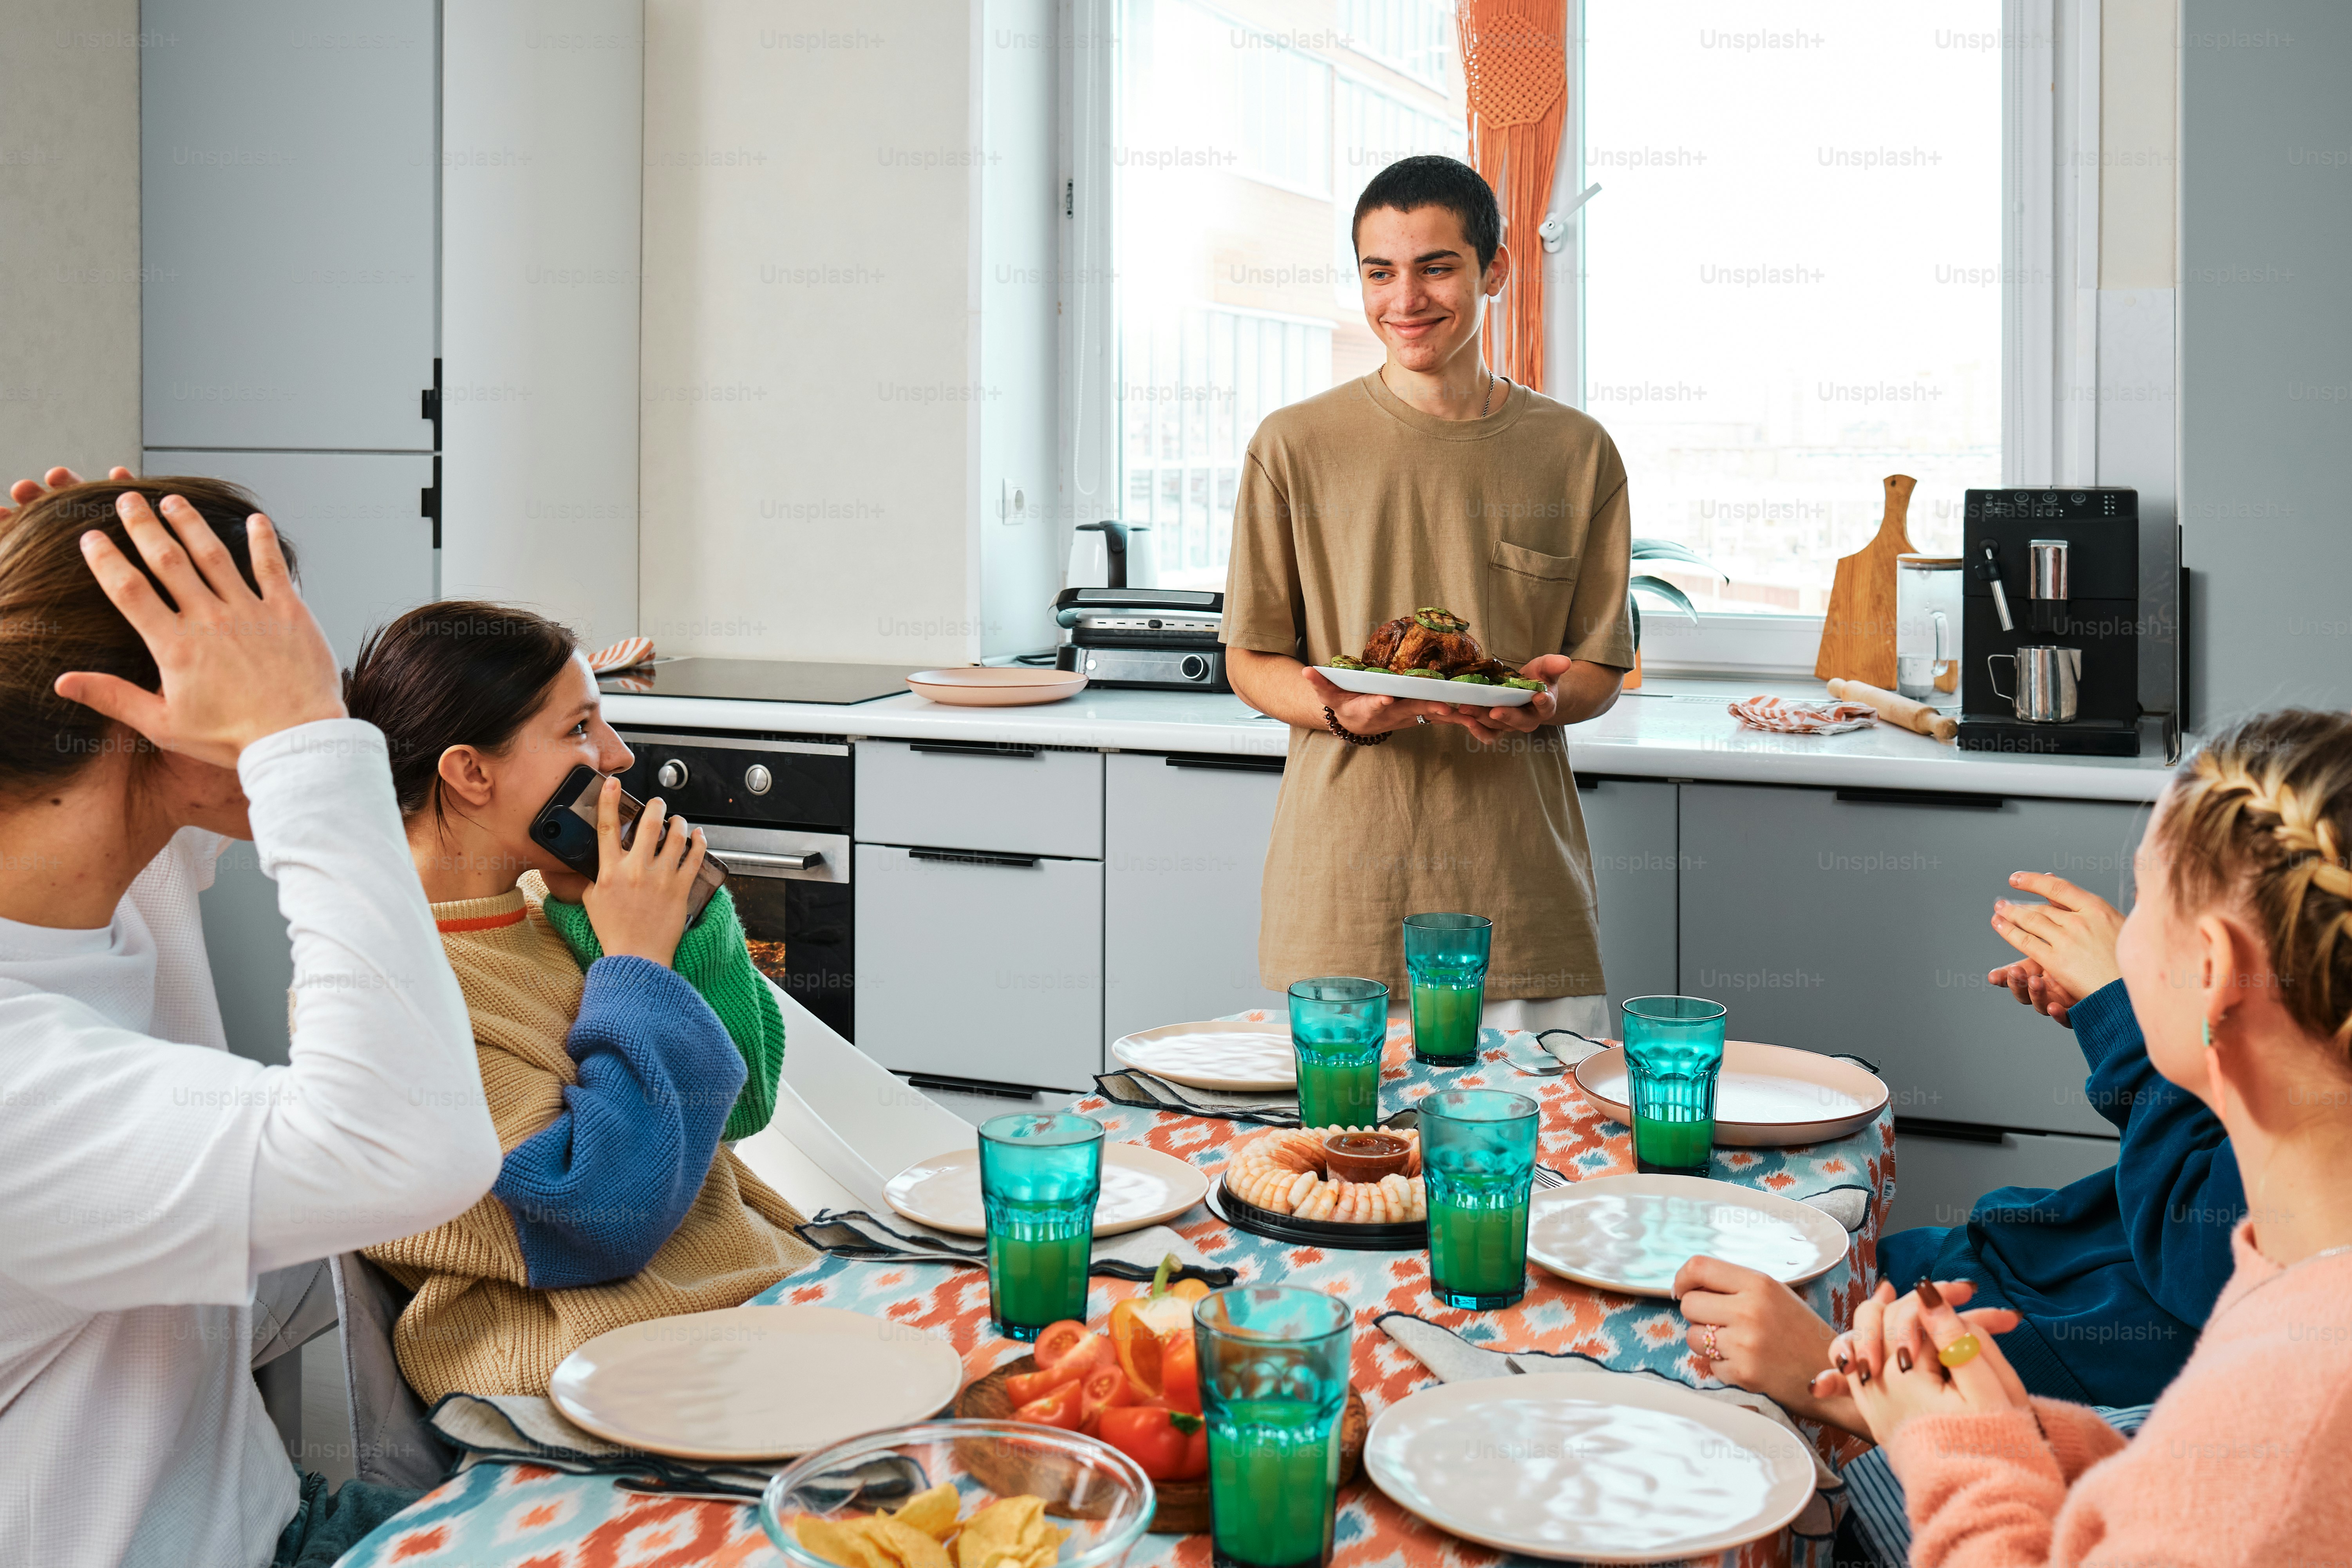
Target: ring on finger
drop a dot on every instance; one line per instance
(1712, 1350)
(1960, 1351)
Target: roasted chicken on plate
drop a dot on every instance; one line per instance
(1436, 644)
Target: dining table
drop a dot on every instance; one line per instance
(508, 1515)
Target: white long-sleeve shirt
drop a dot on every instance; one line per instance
(147, 1175)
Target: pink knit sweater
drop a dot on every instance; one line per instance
(2241, 1462)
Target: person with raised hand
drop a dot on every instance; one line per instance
(162, 689)
(2237, 958)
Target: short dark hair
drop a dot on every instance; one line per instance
(1433, 180)
(459, 673)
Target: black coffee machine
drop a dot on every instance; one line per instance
(2049, 622)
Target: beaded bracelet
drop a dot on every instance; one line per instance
(1349, 735)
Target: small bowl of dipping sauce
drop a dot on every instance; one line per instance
(1365, 1156)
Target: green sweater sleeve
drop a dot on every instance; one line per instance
(713, 958)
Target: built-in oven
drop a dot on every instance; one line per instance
(777, 809)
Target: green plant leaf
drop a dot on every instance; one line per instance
(1658, 587)
(1667, 550)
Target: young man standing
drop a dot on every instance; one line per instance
(1432, 481)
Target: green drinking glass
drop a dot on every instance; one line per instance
(1478, 1156)
(1039, 1177)
(1274, 1383)
(1338, 1026)
(1446, 957)
(1673, 1054)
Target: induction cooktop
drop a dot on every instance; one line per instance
(762, 680)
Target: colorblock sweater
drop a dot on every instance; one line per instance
(616, 1202)
(2241, 1463)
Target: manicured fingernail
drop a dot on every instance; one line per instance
(1903, 1358)
(1862, 1375)
(1840, 1363)
(1928, 1295)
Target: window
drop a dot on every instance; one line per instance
(1793, 275)
(1240, 147)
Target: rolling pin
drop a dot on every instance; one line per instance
(1897, 710)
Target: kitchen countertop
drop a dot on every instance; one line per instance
(1671, 729)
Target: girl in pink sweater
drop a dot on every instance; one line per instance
(2238, 959)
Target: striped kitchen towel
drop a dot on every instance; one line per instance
(1803, 717)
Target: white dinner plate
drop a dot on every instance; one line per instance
(1140, 1186)
(1228, 1054)
(754, 1382)
(1766, 1097)
(1381, 683)
(995, 685)
(1596, 1467)
(1632, 1232)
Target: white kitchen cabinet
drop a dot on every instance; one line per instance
(959, 794)
(981, 966)
(1855, 921)
(1938, 1181)
(288, 192)
(1184, 841)
(1631, 825)
(362, 541)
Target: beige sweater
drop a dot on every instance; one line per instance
(476, 1325)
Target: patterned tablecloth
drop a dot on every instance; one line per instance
(526, 1517)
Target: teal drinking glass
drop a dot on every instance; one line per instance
(1273, 1382)
(1039, 1177)
(1338, 1026)
(1478, 1157)
(1674, 1053)
(1446, 957)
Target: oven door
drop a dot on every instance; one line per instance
(792, 892)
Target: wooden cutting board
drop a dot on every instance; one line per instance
(1858, 633)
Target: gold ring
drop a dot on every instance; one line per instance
(1960, 1351)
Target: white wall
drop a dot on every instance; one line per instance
(69, 278)
(540, 191)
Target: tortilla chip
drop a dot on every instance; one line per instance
(911, 1547)
(933, 1512)
(845, 1541)
(1000, 1535)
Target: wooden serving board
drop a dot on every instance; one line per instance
(1184, 1505)
(1858, 632)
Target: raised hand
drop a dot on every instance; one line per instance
(24, 492)
(637, 902)
(235, 665)
(2071, 939)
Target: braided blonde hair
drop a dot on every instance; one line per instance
(2261, 819)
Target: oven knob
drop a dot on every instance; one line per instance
(758, 780)
(1194, 667)
(671, 774)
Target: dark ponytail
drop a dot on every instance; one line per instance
(459, 673)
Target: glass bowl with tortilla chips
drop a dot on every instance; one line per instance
(959, 1494)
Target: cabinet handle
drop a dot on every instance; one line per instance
(1956, 799)
(1231, 765)
(974, 858)
(971, 749)
(755, 861)
(1952, 1131)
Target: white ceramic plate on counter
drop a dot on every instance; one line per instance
(1232, 1055)
(1381, 683)
(754, 1382)
(995, 685)
(1632, 1234)
(1766, 1096)
(1593, 1467)
(1140, 1186)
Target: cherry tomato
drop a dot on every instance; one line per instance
(1059, 1408)
(1058, 1341)
(1022, 1387)
(1179, 1371)
(1104, 1388)
(1158, 1440)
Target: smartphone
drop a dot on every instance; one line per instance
(566, 825)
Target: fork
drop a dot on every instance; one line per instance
(1547, 1177)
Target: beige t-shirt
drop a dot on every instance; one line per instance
(1356, 508)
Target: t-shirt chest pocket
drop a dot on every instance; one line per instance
(1527, 598)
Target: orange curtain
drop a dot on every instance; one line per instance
(1515, 62)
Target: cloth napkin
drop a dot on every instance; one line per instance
(855, 1234)
(1456, 1360)
(1141, 1090)
(517, 1428)
(1803, 718)
(626, 654)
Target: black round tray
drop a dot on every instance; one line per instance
(1245, 1215)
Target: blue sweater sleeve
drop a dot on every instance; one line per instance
(2176, 1175)
(596, 1191)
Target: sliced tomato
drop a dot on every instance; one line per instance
(1179, 1371)
(1104, 1388)
(1022, 1387)
(1158, 1440)
(1059, 1408)
(1057, 1341)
